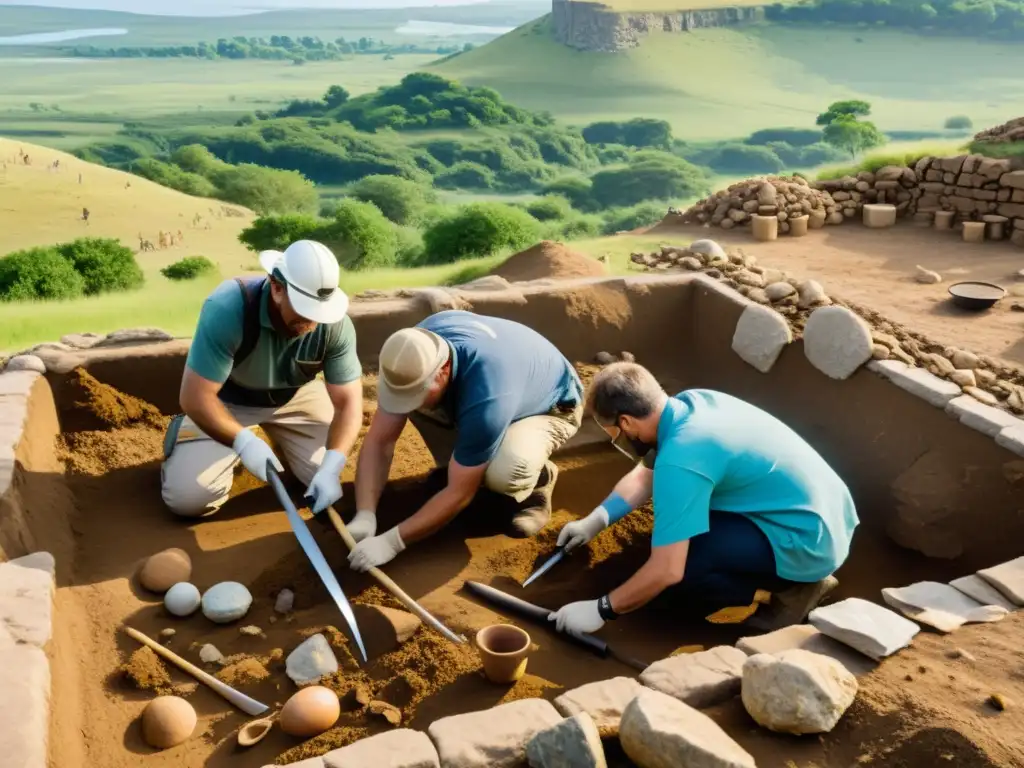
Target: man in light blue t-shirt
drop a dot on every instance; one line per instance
(741, 503)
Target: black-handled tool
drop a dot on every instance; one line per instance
(540, 615)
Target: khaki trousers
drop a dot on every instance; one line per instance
(196, 477)
(526, 448)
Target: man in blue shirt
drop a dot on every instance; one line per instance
(741, 503)
(493, 400)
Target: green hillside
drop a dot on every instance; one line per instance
(712, 83)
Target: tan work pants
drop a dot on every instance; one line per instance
(526, 448)
(196, 477)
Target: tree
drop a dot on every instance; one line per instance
(959, 123)
(267, 190)
(400, 200)
(850, 107)
(335, 96)
(360, 235)
(848, 133)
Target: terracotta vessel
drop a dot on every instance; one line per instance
(503, 650)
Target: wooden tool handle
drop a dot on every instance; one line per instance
(237, 698)
(388, 583)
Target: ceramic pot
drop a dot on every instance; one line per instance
(504, 651)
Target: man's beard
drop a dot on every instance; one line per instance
(281, 326)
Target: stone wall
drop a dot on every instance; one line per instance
(973, 187)
(595, 27)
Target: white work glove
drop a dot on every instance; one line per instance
(582, 531)
(363, 525)
(325, 488)
(375, 551)
(255, 454)
(583, 616)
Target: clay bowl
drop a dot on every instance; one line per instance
(503, 650)
(976, 296)
(254, 732)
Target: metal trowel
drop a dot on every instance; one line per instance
(552, 561)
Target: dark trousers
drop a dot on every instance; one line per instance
(726, 566)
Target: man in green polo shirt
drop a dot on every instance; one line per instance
(255, 358)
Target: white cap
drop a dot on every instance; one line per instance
(311, 272)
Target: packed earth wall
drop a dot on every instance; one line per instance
(937, 495)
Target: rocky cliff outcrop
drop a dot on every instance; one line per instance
(590, 26)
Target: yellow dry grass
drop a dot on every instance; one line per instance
(40, 205)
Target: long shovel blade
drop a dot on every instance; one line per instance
(316, 557)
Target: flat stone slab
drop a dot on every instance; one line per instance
(1008, 578)
(403, 748)
(700, 679)
(808, 638)
(864, 626)
(760, 335)
(984, 418)
(659, 731)
(917, 381)
(26, 602)
(493, 738)
(940, 605)
(976, 587)
(311, 660)
(1012, 439)
(836, 341)
(24, 706)
(573, 743)
(604, 701)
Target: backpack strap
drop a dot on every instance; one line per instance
(252, 291)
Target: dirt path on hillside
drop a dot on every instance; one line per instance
(876, 269)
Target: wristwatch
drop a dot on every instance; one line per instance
(605, 610)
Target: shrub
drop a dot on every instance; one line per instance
(408, 246)
(267, 191)
(574, 189)
(549, 208)
(400, 200)
(638, 132)
(743, 158)
(609, 154)
(360, 235)
(104, 264)
(640, 215)
(795, 137)
(189, 268)
(38, 273)
(464, 175)
(649, 176)
(479, 229)
(578, 226)
(958, 123)
(172, 176)
(195, 158)
(275, 233)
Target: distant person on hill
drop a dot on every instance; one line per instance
(492, 399)
(254, 361)
(741, 503)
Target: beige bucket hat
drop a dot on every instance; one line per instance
(409, 362)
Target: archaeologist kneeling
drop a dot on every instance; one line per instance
(493, 399)
(741, 503)
(255, 357)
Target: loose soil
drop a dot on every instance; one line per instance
(102, 679)
(549, 259)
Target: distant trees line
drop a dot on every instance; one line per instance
(277, 47)
(997, 18)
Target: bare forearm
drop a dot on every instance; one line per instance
(211, 416)
(642, 587)
(345, 425)
(434, 515)
(372, 471)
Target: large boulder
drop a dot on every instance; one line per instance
(699, 679)
(492, 738)
(604, 701)
(573, 743)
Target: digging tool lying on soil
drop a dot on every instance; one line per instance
(554, 560)
(540, 615)
(391, 586)
(316, 557)
(237, 698)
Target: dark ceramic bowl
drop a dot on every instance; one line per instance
(976, 295)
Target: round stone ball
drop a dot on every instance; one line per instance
(168, 721)
(182, 599)
(226, 602)
(165, 569)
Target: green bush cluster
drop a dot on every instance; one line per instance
(479, 229)
(639, 132)
(189, 268)
(87, 266)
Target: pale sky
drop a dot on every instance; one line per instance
(224, 7)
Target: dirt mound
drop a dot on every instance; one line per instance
(549, 259)
(1012, 130)
(89, 404)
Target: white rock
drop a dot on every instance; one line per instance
(760, 336)
(986, 419)
(917, 381)
(401, 748)
(26, 363)
(226, 602)
(603, 701)
(811, 294)
(573, 743)
(940, 605)
(976, 587)
(807, 638)
(836, 341)
(312, 660)
(865, 626)
(711, 250)
(926, 276)
(81, 340)
(963, 377)
(493, 738)
(700, 679)
(26, 602)
(40, 561)
(210, 655)
(250, 631)
(964, 359)
(182, 599)
(797, 691)
(661, 732)
(24, 706)
(1008, 578)
(134, 336)
(285, 601)
(779, 291)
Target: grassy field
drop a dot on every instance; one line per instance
(714, 83)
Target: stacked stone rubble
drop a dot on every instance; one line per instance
(784, 197)
(1012, 130)
(892, 184)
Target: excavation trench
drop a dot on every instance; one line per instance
(917, 476)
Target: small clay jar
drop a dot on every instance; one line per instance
(503, 650)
